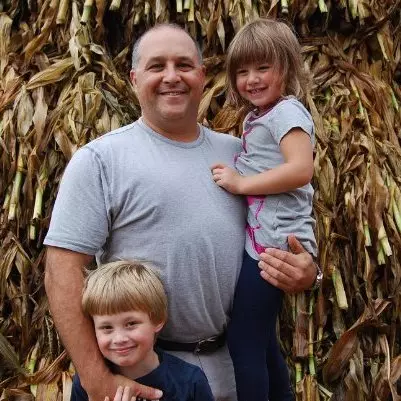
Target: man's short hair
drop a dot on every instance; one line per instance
(135, 49)
(125, 286)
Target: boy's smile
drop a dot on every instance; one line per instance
(127, 340)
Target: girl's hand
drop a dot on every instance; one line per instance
(227, 178)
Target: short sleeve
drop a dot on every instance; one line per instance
(288, 115)
(81, 219)
(202, 390)
(77, 391)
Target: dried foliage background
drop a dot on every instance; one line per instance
(64, 81)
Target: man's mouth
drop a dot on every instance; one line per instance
(172, 93)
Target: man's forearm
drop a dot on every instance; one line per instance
(64, 283)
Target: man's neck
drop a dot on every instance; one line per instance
(181, 132)
(142, 368)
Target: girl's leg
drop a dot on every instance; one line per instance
(253, 323)
(279, 378)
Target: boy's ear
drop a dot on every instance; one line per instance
(159, 326)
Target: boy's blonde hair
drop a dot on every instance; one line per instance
(266, 40)
(124, 286)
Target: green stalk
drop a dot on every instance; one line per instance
(394, 100)
(381, 260)
(186, 4)
(15, 194)
(294, 307)
(87, 11)
(147, 9)
(311, 356)
(339, 288)
(191, 12)
(115, 5)
(284, 6)
(37, 209)
(298, 372)
(323, 7)
(6, 202)
(384, 242)
(179, 6)
(62, 12)
(368, 239)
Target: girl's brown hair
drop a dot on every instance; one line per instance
(266, 40)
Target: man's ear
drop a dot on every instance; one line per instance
(132, 76)
(204, 75)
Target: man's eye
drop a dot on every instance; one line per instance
(157, 67)
(185, 66)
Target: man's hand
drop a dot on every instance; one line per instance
(291, 272)
(120, 388)
(227, 178)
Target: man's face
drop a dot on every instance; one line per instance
(169, 78)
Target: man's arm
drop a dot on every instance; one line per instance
(292, 272)
(64, 284)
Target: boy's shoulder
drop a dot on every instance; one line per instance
(178, 366)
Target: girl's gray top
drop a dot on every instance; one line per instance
(133, 194)
(272, 218)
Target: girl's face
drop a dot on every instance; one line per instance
(260, 84)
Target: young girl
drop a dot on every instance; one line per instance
(265, 74)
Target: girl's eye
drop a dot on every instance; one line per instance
(241, 72)
(264, 67)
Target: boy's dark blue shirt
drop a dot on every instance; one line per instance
(179, 381)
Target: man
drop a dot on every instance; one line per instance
(145, 191)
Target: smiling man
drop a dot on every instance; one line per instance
(145, 192)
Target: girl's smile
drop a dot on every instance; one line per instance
(260, 84)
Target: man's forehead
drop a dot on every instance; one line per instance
(176, 38)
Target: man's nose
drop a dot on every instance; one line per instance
(171, 74)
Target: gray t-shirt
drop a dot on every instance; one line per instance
(272, 218)
(133, 194)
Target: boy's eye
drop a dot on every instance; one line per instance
(106, 328)
(132, 323)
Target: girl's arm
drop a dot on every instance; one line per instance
(295, 172)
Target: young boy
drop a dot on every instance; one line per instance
(128, 305)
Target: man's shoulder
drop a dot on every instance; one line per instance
(116, 135)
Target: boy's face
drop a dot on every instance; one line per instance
(126, 338)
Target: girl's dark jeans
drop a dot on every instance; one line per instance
(260, 370)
